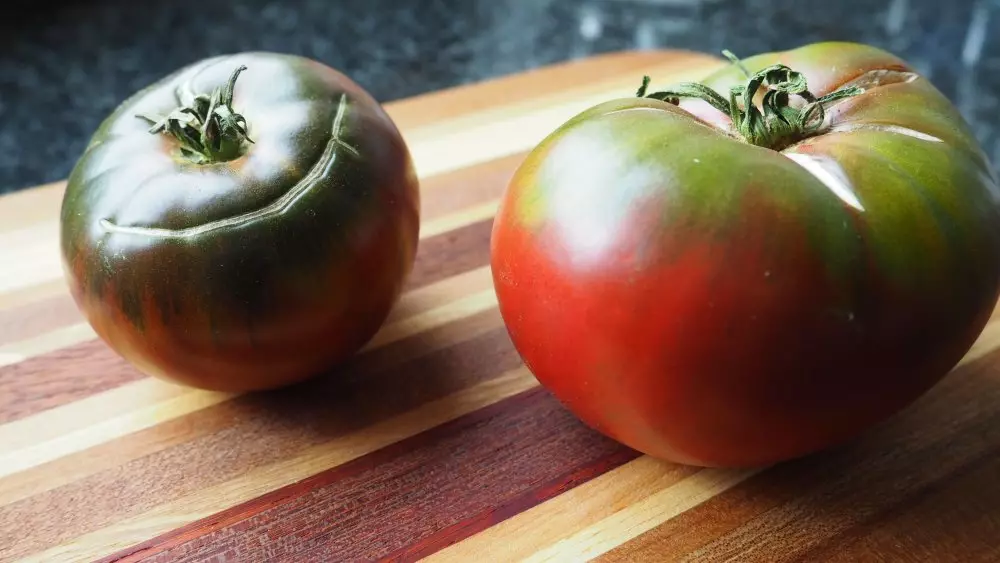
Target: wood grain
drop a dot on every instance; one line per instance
(273, 427)
(251, 484)
(414, 496)
(953, 520)
(435, 442)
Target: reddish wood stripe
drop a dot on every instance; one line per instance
(410, 498)
(268, 426)
(76, 372)
(513, 506)
(804, 509)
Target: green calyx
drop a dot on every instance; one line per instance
(775, 124)
(209, 130)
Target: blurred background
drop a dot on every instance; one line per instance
(65, 64)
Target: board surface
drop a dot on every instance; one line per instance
(435, 442)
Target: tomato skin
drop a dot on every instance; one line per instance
(715, 303)
(252, 273)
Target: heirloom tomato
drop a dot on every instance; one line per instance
(754, 267)
(243, 224)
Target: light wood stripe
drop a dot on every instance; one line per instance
(457, 309)
(31, 256)
(208, 501)
(15, 352)
(641, 516)
(32, 294)
(987, 342)
(596, 517)
(580, 508)
(23, 208)
(459, 219)
(165, 403)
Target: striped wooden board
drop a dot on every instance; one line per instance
(435, 441)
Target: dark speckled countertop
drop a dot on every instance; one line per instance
(65, 65)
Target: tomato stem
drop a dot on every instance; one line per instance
(209, 130)
(775, 124)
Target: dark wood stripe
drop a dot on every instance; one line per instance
(454, 191)
(60, 377)
(219, 443)
(956, 520)
(451, 253)
(814, 503)
(411, 498)
(76, 372)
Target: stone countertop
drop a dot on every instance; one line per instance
(65, 65)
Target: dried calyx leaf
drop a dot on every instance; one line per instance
(776, 123)
(209, 130)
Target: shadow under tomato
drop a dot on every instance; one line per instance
(386, 382)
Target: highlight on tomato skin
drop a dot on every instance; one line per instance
(754, 267)
(243, 224)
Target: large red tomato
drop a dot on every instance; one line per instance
(753, 269)
(242, 224)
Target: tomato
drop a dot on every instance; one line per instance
(242, 224)
(755, 268)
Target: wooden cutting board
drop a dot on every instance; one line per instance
(435, 441)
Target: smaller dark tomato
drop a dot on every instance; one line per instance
(243, 224)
